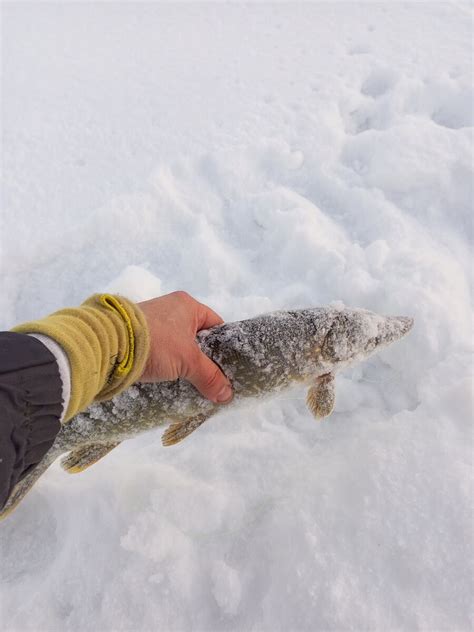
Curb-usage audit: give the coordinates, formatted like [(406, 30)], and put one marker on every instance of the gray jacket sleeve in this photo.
[(30, 406)]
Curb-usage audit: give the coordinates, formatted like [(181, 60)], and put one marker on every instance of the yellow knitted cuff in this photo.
[(107, 343)]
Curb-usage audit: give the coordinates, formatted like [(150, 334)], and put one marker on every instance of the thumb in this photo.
[(209, 380)]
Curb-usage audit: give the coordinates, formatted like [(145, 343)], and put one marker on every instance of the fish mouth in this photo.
[(407, 323), (389, 329), (395, 328)]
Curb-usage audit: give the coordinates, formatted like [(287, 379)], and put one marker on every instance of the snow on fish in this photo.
[(261, 356)]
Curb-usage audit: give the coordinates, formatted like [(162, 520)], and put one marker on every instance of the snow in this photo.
[(261, 157)]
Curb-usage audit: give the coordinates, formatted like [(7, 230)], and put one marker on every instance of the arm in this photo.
[(110, 343)]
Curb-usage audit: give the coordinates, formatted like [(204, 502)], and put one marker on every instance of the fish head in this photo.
[(355, 334)]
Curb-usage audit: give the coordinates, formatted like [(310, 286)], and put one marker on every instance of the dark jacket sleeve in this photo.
[(30, 406)]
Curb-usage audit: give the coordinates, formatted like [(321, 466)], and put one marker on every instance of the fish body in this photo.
[(261, 356)]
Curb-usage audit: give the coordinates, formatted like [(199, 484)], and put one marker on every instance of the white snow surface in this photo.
[(261, 157)]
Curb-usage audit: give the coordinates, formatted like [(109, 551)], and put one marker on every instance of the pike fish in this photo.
[(261, 356)]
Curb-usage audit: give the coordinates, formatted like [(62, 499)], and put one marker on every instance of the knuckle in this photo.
[(182, 295), (190, 362), (212, 379)]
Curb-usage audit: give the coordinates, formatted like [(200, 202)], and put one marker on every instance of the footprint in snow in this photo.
[(379, 82)]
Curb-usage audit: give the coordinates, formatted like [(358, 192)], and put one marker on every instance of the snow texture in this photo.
[(261, 157)]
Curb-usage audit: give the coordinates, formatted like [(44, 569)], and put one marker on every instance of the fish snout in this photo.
[(393, 328), (356, 334), (383, 331)]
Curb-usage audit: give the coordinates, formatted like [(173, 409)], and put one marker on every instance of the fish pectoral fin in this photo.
[(321, 396), (80, 459), (178, 430)]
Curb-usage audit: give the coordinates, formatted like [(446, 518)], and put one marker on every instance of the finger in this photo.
[(209, 380), (207, 317)]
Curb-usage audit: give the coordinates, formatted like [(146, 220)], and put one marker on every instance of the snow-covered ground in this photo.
[(260, 157)]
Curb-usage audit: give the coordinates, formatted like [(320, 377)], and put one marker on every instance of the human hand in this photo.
[(173, 321)]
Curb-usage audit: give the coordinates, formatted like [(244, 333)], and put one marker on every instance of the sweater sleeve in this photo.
[(106, 341), (30, 406)]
